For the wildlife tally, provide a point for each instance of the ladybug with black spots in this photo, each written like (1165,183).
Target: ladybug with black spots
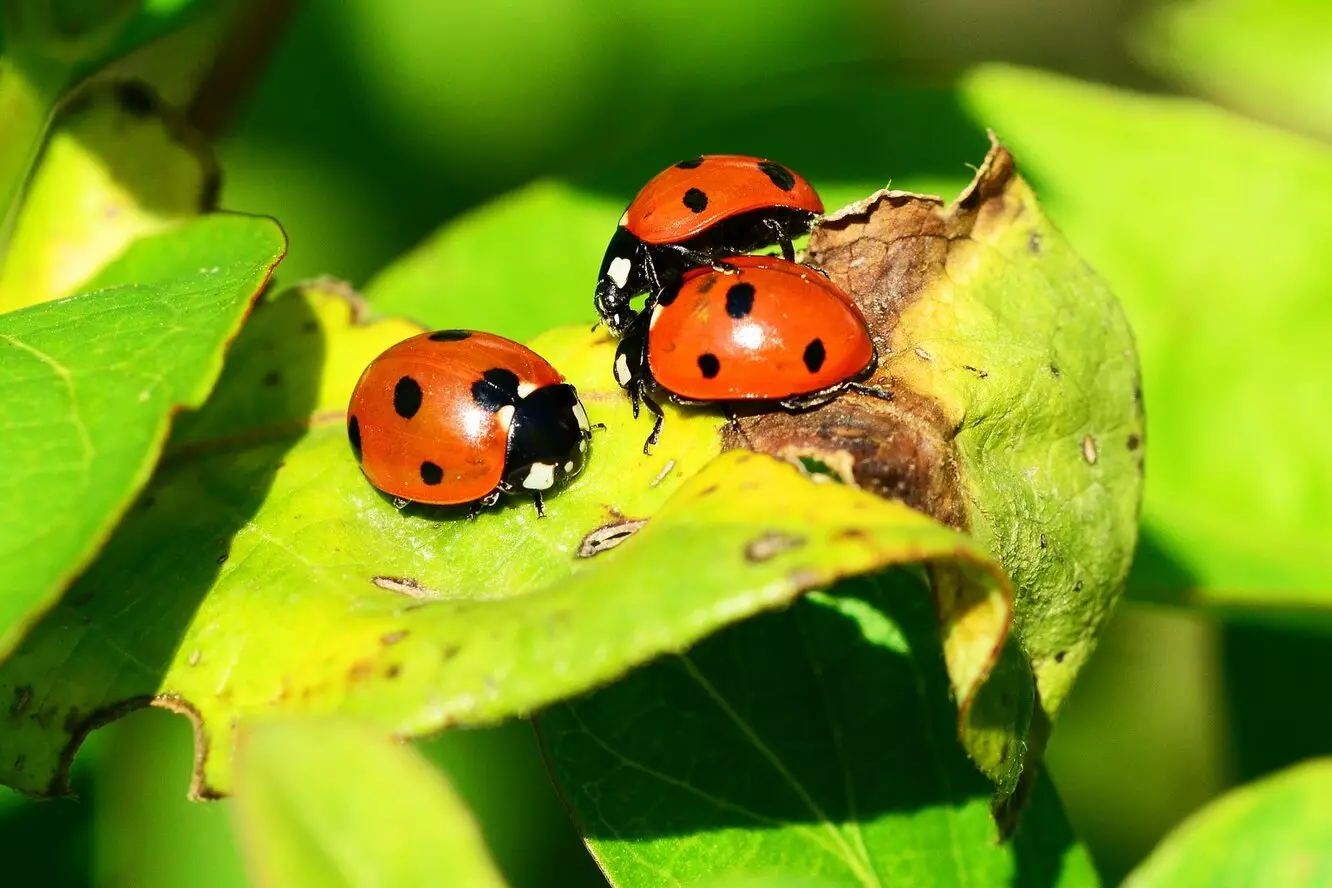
(461,416)
(762,330)
(695,213)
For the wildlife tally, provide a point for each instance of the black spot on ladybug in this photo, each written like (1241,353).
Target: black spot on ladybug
(431,474)
(780,175)
(504,380)
(695,200)
(407,397)
(496,388)
(708,363)
(135,98)
(692,164)
(354,435)
(450,335)
(740,300)
(1134,441)
(814,355)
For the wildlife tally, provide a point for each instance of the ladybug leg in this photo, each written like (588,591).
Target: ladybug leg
(698,257)
(873,391)
(399,503)
(655,435)
(485,502)
(539,503)
(782,237)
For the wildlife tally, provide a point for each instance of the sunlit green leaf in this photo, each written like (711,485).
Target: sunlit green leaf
(118,167)
(1227,289)
(1268,58)
(816,743)
(90,384)
(1277,831)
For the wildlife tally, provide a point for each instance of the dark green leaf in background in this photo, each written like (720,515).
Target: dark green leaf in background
(89,387)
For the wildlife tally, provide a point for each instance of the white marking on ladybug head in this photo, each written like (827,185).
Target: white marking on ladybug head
(540,476)
(581,415)
(619,270)
(526,388)
(505,417)
(622,374)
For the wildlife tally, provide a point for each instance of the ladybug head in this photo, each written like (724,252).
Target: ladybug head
(621,278)
(548,439)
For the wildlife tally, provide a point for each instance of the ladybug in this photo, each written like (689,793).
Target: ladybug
(693,213)
(461,416)
(763,330)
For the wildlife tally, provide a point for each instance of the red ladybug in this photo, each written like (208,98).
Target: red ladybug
(765,329)
(693,213)
(459,416)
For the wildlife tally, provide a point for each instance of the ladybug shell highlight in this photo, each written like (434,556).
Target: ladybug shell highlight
(775,330)
(458,416)
(692,196)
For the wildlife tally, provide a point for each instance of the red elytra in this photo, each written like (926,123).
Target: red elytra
(449,417)
(692,196)
(696,213)
(773,331)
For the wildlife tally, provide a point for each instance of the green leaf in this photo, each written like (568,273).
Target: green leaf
(816,743)
(296,586)
(328,802)
(1276,831)
(119,166)
(1013,374)
(90,384)
(1239,490)
(1268,58)
(466,269)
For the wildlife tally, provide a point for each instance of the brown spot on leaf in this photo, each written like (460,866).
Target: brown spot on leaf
(805,578)
(1059,657)
(1089,449)
(1134,441)
(449,652)
(981,374)
(770,545)
(20,762)
(394,637)
(22,695)
(851,533)
(408,586)
(72,720)
(1077,586)
(707,491)
(608,536)
(222,559)
(361,669)
(1043,541)
(392,670)
(1034,243)
(1054,371)
(272,378)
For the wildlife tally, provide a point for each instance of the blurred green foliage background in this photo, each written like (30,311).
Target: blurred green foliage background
(371,124)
